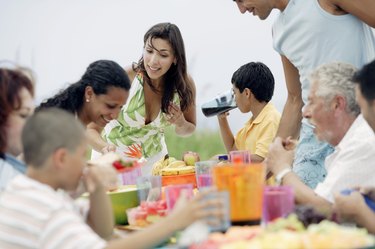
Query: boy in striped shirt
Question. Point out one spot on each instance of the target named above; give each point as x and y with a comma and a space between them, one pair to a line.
35, 211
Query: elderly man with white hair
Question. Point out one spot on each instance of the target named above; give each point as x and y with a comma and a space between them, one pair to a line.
335, 115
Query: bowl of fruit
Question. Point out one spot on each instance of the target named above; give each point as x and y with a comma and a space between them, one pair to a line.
174, 171
124, 195
123, 198
146, 213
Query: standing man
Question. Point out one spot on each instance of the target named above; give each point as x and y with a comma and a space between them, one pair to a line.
307, 34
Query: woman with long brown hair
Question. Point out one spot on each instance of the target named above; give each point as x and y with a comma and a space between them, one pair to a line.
162, 94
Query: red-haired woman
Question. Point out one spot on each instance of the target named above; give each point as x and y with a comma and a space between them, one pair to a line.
16, 105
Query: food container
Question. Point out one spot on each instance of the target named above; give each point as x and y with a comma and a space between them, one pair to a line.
123, 198
147, 213
245, 185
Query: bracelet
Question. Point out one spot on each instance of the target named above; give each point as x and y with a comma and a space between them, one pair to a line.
279, 177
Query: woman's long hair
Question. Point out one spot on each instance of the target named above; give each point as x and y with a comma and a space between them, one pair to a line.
176, 79
11, 83
100, 75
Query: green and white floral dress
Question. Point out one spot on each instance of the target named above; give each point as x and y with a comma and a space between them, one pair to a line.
134, 138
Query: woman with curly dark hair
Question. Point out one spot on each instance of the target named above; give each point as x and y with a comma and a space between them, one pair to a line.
16, 105
97, 97
162, 94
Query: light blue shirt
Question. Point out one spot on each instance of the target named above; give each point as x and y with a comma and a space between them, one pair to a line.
9, 168
309, 36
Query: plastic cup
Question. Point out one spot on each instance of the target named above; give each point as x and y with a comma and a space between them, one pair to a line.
278, 201
149, 188
172, 193
224, 222
129, 177
245, 185
239, 156
203, 173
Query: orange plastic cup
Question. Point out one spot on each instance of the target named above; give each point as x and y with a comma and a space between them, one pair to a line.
245, 184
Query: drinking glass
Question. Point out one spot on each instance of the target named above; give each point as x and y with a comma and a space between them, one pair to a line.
203, 173
129, 177
278, 201
240, 156
173, 192
223, 196
149, 188
245, 186
223, 102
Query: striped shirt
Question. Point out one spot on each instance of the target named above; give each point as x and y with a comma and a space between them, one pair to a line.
33, 215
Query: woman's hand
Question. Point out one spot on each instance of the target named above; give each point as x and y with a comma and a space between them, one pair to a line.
108, 148
175, 115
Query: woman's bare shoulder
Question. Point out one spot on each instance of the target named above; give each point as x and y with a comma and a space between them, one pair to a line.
131, 73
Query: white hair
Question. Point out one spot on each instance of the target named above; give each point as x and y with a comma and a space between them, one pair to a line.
334, 79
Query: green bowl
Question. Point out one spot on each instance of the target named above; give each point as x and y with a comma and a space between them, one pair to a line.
123, 198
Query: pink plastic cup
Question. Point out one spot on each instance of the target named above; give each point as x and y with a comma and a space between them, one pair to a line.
173, 192
203, 173
278, 201
239, 156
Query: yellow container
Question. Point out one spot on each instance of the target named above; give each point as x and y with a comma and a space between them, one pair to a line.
245, 183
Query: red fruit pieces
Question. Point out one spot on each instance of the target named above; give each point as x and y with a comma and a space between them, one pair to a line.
118, 165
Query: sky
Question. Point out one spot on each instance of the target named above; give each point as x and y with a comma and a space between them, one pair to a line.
58, 39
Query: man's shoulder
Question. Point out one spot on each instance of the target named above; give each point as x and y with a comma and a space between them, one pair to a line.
362, 131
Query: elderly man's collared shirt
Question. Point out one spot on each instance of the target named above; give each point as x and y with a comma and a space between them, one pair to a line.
352, 163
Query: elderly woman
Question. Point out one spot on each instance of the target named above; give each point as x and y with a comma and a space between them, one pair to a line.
16, 101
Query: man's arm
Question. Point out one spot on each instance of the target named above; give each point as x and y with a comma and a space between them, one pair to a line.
291, 117
100, 217
362, 9
305, 195
279, 159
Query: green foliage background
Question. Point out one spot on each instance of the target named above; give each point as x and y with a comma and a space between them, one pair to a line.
206, 142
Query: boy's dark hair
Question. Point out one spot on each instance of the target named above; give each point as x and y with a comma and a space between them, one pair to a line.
48, 130
365, 77
258, 78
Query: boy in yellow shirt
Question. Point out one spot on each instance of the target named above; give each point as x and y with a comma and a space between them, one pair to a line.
253, 85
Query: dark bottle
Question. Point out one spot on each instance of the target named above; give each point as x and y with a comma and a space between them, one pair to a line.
222, 103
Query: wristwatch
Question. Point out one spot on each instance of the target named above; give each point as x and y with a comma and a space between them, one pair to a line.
279, 177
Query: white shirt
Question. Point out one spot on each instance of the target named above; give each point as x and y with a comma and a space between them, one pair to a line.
33, 215
352, 163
